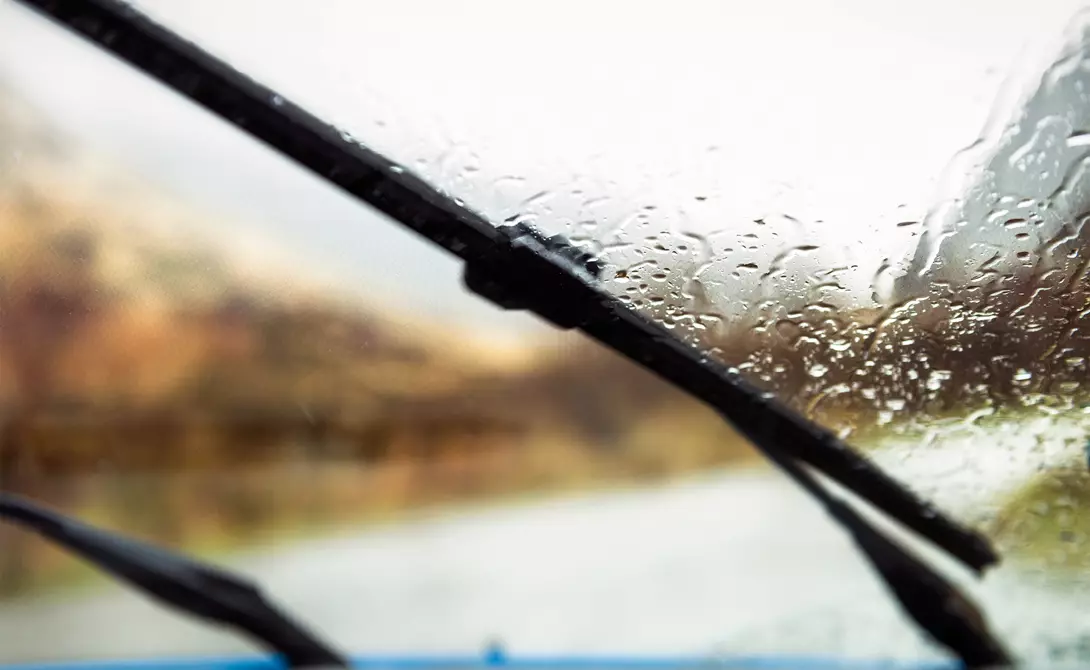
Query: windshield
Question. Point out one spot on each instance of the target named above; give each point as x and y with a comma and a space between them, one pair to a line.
877, 221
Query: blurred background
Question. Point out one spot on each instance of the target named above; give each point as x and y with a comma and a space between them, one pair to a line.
879, 221
165, 373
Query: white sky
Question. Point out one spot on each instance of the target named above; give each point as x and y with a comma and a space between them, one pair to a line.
842, 114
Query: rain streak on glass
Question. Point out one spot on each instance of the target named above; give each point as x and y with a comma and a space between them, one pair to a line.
888, 235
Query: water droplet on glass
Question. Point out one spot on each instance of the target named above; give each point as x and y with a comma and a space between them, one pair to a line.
840, 345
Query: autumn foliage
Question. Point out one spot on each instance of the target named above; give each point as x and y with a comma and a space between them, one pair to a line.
154, 384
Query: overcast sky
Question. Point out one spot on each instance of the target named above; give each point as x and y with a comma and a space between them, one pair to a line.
841, 114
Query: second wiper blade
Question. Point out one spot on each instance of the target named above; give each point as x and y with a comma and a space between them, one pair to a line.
180, 582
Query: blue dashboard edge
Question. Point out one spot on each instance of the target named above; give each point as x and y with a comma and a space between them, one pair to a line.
439, 662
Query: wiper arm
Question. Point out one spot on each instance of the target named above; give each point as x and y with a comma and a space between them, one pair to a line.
507, 265
195, 588
937, 605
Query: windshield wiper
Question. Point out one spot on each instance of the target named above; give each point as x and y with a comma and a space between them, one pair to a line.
505, 264
180, 582
518, 268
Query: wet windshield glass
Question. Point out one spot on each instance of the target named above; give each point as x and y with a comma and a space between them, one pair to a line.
879, 221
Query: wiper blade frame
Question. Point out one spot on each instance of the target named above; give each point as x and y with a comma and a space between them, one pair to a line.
178, 581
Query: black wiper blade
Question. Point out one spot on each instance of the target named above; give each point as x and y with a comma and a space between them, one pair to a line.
936, 604
181, 582
533, 275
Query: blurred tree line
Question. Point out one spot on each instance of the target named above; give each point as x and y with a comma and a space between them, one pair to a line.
150, 386
153, 386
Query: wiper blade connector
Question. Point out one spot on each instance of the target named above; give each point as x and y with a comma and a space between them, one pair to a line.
178, 581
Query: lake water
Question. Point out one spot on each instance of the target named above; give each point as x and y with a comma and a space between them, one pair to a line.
725, 563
